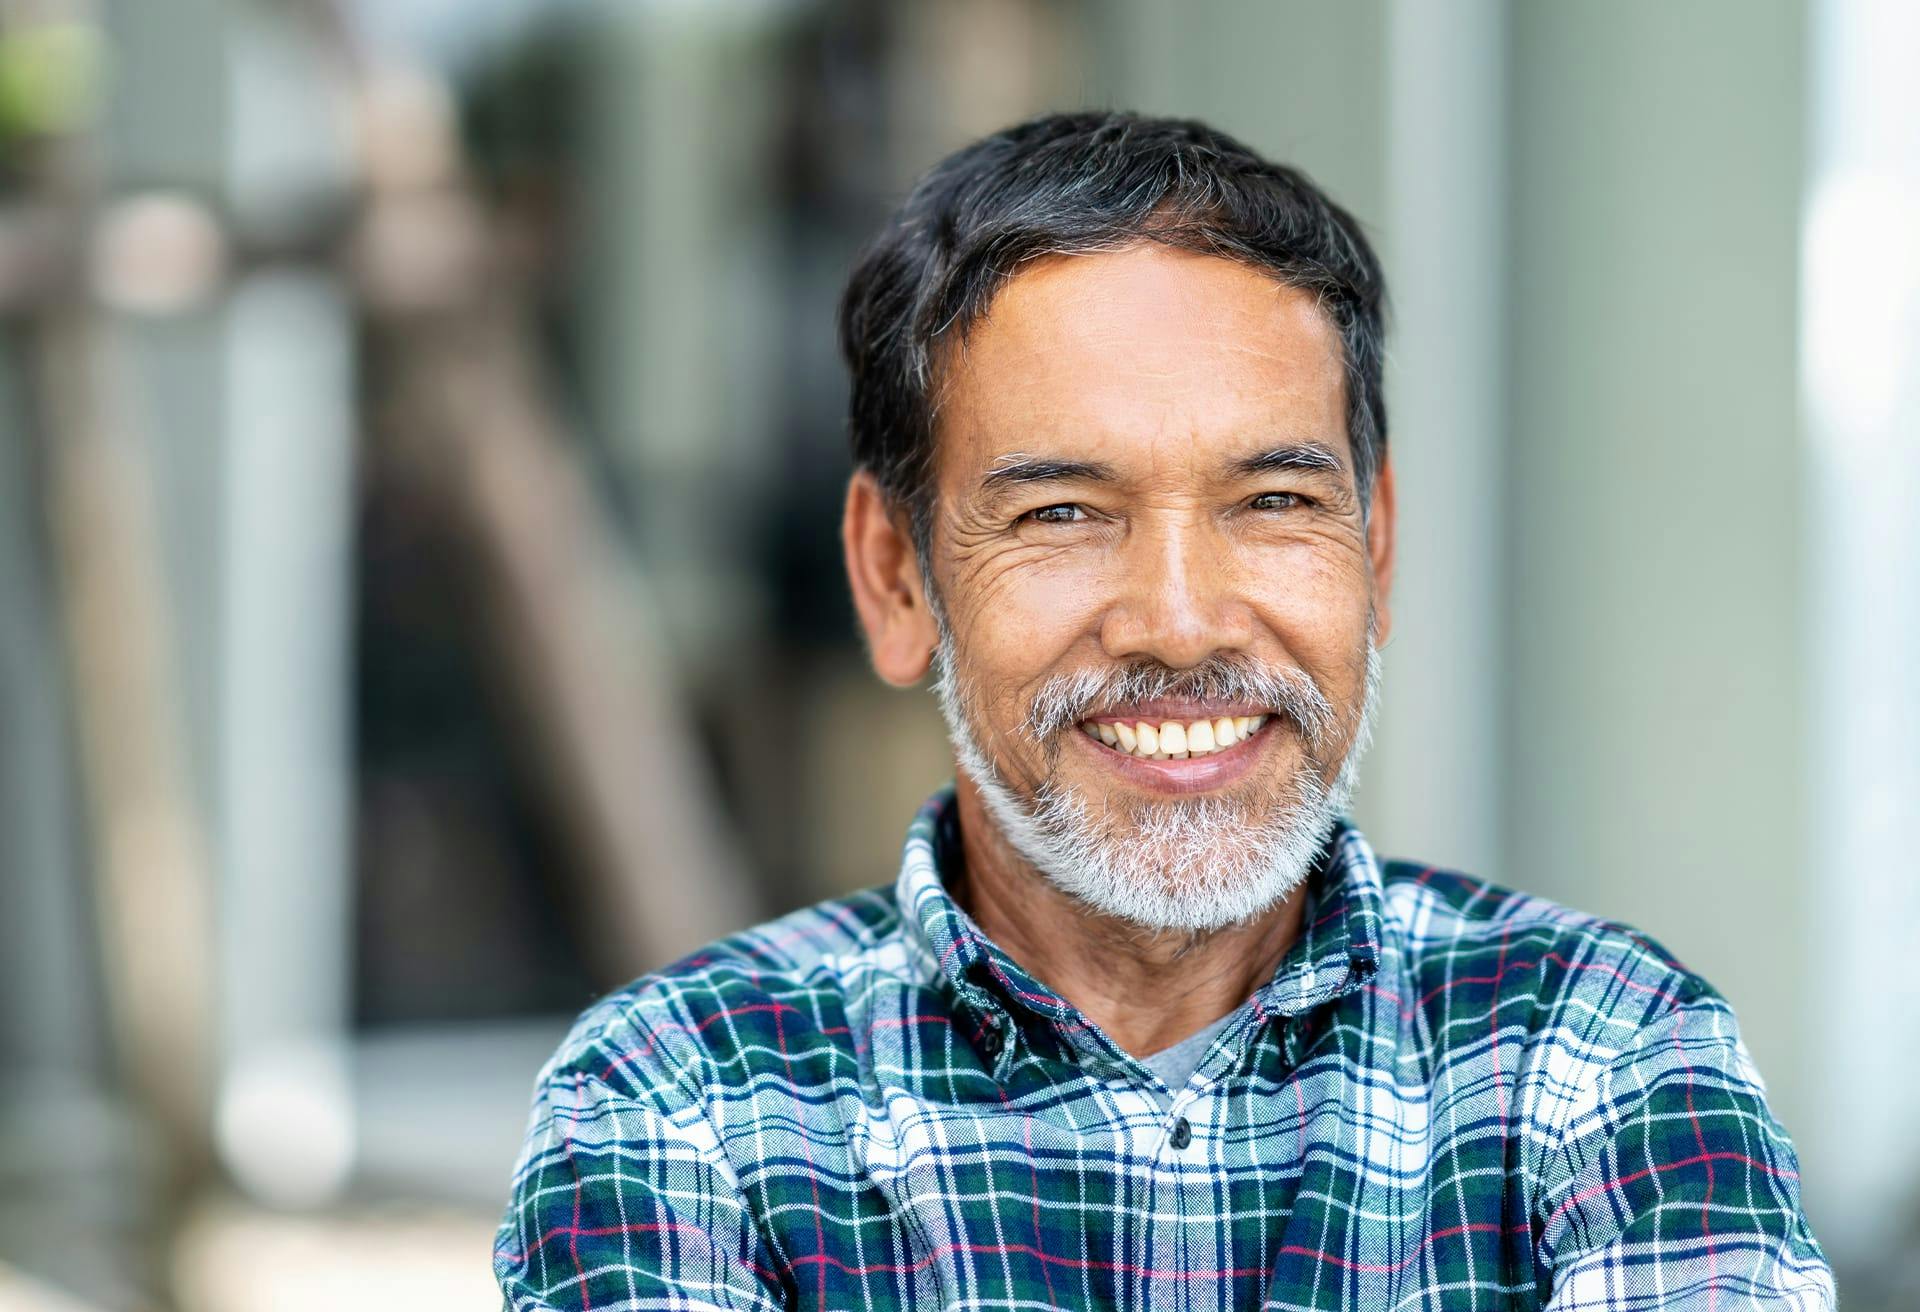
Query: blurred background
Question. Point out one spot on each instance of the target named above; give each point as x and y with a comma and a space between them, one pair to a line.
421, 444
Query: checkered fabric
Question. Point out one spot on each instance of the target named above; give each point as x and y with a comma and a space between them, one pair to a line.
1448, 1096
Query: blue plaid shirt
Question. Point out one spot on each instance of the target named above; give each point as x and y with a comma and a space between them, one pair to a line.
1447, 1096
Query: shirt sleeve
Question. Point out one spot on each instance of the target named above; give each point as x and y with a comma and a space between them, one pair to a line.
1676, 1188
623, 1200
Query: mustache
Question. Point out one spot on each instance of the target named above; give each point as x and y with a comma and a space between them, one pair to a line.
1067, 699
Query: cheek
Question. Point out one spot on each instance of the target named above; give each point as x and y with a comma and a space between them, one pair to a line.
1027, 631
1017, 626
1317, 604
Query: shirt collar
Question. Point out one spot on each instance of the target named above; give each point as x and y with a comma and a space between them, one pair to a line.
1337, 951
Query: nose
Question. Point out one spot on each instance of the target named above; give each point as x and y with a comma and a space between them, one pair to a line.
1179, 601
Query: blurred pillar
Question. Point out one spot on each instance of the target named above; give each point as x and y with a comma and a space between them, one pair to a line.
245, 405
1435, 782
1656, 597
279, 450
678, 257
144, 409
77, 1192
284, 747
1861, 370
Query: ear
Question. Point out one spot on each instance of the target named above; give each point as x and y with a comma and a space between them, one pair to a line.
887, 588
1380, 538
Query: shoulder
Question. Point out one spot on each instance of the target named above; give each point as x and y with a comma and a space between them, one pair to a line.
1576, 1015
1473, 946
1628, 1104
782, 988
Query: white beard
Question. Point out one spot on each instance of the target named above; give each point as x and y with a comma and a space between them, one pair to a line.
1192, 865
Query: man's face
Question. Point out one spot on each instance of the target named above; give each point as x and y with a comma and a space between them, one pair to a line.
1147, 517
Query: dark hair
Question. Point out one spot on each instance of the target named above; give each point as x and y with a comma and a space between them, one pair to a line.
1073, 183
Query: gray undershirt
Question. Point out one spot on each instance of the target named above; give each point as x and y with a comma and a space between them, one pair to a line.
1176, 1065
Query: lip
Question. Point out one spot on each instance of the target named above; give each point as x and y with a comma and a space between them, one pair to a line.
1194, 775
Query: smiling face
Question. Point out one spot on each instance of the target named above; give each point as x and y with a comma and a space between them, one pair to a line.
1156, 591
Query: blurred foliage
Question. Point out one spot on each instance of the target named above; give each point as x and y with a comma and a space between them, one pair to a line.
50, 79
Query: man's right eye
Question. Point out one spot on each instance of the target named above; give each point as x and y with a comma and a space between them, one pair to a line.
1064, 513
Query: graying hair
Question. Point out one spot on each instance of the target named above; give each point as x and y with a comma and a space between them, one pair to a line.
1075, 184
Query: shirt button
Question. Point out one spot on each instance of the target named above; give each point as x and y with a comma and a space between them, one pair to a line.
1182, 1134
992, 1043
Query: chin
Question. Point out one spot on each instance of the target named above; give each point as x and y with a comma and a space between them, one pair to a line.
1192, 865
1178, 901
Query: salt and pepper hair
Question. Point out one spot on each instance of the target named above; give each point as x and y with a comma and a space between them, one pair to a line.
1074, 184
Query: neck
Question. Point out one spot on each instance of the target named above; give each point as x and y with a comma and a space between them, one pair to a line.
1146, 989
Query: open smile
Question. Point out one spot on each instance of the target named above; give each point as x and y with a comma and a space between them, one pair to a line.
1172, 740
1180, 753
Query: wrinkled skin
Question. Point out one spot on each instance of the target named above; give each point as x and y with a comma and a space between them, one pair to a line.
1154, 372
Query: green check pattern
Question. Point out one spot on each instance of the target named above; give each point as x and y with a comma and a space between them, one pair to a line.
1449, 1096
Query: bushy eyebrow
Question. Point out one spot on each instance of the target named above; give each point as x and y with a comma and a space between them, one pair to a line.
1013, 471
1017, 470
1309, 456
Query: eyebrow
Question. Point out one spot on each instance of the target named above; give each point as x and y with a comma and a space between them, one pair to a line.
1018, 470
1015, 470
1312, 456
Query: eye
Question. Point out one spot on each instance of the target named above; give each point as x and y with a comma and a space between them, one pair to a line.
1064, 513
1277, 501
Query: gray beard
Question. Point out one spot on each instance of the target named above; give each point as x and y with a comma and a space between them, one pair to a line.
1186, 865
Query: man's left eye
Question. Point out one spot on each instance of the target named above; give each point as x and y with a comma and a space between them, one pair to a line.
1065, 513
1277, 501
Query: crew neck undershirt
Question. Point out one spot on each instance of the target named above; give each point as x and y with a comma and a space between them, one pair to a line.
1176, 1065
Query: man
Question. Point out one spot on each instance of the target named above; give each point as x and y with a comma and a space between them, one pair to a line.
1143, 1023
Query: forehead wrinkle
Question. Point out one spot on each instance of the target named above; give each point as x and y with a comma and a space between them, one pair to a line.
1047, 333
1238, 409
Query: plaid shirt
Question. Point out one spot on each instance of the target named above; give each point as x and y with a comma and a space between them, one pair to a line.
1447, 1096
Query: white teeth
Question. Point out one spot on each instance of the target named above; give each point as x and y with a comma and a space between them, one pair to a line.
1175, 740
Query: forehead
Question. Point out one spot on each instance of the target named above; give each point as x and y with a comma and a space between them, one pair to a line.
1142, 354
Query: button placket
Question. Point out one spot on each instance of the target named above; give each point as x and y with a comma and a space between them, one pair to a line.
994, 1040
